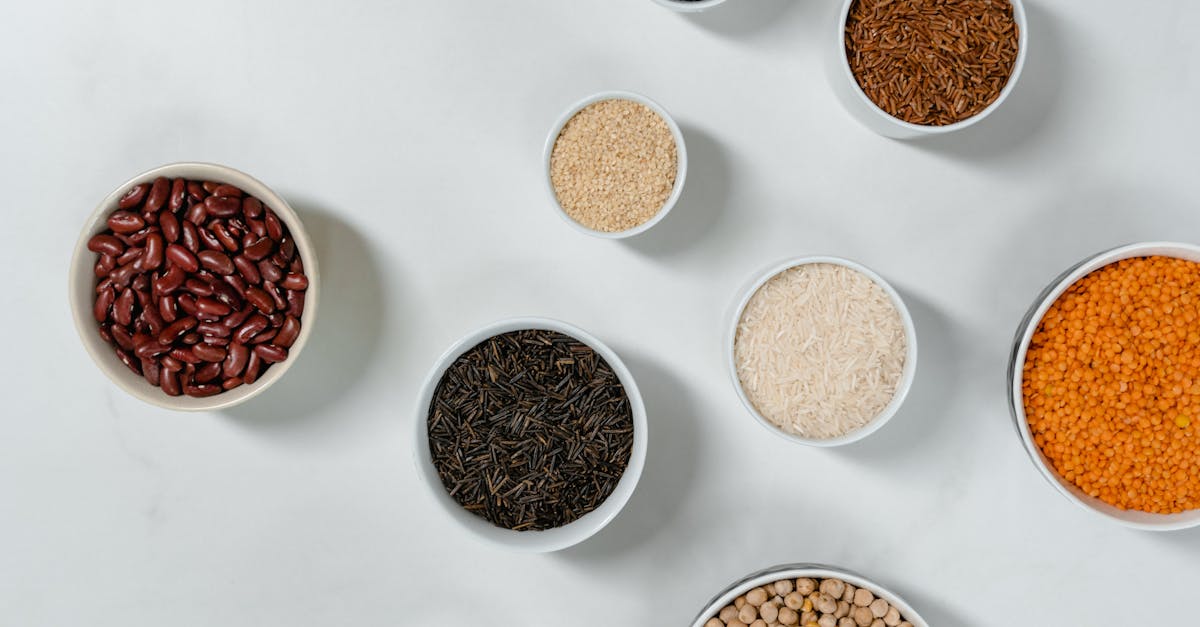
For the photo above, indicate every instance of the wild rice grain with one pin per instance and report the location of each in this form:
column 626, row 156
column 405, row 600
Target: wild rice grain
column 932, row 62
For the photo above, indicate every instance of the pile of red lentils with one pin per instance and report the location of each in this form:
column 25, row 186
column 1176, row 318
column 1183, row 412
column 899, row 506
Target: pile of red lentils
column 1112, row 384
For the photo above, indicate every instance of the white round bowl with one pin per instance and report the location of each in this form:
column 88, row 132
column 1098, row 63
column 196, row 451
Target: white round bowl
column 689, row 7
column 681, row 162
column 1016, row 404
column 796, row 571
column 82, row 283
column 531, row 541
column 870, row 115
column 906, row 377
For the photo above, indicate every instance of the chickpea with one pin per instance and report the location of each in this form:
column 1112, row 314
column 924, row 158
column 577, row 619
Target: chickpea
column 784, row 586
column 728, row 613
column 827, row 621
column 863, row 597
column 737, row 623
column 892, row 618
column 905, row 624
column 756, row 597
column 848, row 594
column 843, row 609
column 862, row 616
column 879, row 608
column 794, row 601
column 833, row 587
column 805, row 586
column 808, row 617
column 769, row 612
column 714, row 622
column 739, row 602
column 825, row 604
column 759, row 623
column 847, row 622
column 747, row 614
column 788, row 616
column 878, row 622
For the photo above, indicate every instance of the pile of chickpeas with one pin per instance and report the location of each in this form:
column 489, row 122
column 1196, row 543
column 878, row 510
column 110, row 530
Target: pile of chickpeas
column 808, row 602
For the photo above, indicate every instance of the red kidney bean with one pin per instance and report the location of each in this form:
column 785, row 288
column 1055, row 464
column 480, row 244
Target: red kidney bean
column 188, row 236
column 153, row 256
column 170, row 281
column 209, row 240
column 176, row 329
column 151, row 371
column 236, row 318
column 222, row 206
column 259, row 249
column 265, row 337
column 235, row 359
column 123, row 275
column 277, row 318
column 202, row 390
column 196, row 214
column 276, row 295
column 125, row 222
column 158, row 194
column 140, row 236
column 270, row 272
column 247, row 269
column 257, row 227
column 229, row 384
column 190, row 338
column 212, row 307
column 103, row 302
column 105, row 264
column 131, row 255
column 252, row 207
column 103, row 285
column 253, row 364
column 210, row 186
column 123, row 308
column 182, row 257
column 236, row 282
column 250, row 328
column 208, row 352
column 168, row 379
column 223, row 235
column 170, row 363
column 169, row 225
column 270, row 353
column 287, row 250
column 260, row 299
column 184, row 355
column 166, row 309
column 198, row 287
column 288, row 332
column 209, row 371
column 196, row 190
column 105, row 332
column 106, row 245
column 294, row 281
column 178, row 195
column 226, row 190
column 216, row 341
column 187, row 303
column 121, row 336
column 152, row 320
column 226, row 293
column 215, row 261
column 274, row 228
column 128, row 359
column 213, row 329
column 295, row 303
column 133, row 197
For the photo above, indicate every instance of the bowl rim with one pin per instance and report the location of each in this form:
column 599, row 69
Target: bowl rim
column 797, row 570
column 910, row 361
column 549, row 540
column 1144, row 521
column 927, row 130
column 80, row 271
column 695, row 6
column 681, row 162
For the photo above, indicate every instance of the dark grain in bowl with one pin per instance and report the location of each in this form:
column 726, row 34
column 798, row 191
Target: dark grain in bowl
column 200, row 287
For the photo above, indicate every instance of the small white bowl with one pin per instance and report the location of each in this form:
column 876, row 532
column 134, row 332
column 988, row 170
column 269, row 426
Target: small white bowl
column 870, row 115
column 82, row 283
column 906, row 377
column 796, row 571
column 550, row 539
column 681, row 162
column 1016, row 404
column 689, row 7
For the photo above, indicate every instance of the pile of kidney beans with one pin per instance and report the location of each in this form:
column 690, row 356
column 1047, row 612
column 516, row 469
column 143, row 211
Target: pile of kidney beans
column 200, row 286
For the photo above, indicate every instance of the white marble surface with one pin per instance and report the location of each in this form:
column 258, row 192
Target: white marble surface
column 408, row 134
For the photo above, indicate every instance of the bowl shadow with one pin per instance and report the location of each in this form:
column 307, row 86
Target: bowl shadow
column 743, row 18
column 923, row 415
column 702, row 205
column 1033, row 101
column 345, row 340
column 671, row 460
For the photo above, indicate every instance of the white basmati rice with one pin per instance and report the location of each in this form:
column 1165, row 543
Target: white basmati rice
column 820, row 350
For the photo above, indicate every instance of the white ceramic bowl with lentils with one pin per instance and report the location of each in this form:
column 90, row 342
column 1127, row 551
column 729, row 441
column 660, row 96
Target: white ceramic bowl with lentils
column 799, row 594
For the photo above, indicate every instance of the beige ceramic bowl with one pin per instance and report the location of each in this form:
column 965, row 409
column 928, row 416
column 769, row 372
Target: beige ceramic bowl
column 83, row 281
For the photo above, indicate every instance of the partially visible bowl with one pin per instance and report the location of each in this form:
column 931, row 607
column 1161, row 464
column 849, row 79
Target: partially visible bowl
column 680, row 168
column 82, row 283
column 689, row 6
column 548, row 540
column 1016, row 404
column 906, row 377
column 796, row 571
column 862, row 108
